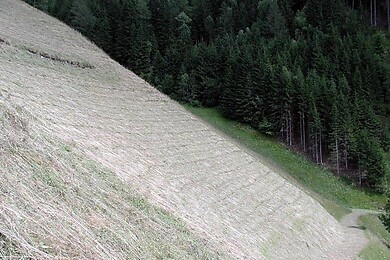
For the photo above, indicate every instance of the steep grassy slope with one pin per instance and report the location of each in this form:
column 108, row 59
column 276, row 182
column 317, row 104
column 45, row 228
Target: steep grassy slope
column 81, row 100
column 306, row 173
column 379, row 246
column 55, row 203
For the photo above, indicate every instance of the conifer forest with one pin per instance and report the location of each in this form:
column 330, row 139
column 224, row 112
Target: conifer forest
column 314, row 74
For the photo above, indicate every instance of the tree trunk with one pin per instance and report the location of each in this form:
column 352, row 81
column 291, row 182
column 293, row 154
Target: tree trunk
column 290, row 124
column 375, row 19
column 285, row 127
column 346, row 152
column 316, row 147
column 301, row 128
column 388, row 15
column 371, row 12
column 282, row 131
column 337, row 157
column 304, row 133
column 321, row 147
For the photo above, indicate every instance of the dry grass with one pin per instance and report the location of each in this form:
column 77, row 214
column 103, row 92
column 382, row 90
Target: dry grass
column 93, row 132
column 55, row 203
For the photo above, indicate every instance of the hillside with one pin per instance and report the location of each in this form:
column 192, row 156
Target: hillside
column 82, row 138
column 313, row 74
column 55, row 203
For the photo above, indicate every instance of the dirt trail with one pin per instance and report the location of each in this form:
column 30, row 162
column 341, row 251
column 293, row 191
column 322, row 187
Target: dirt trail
column 221, row 192
column 355, row 239
column 351, row 220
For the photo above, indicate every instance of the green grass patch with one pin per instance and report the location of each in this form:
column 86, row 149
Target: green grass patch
column 375, row 226
column 378, row 248
column 334, row 193
column 337, row 211
column 375, row 251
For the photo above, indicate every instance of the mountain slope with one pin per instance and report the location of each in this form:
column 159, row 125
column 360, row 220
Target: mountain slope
column 55, row 203
column 77, row 95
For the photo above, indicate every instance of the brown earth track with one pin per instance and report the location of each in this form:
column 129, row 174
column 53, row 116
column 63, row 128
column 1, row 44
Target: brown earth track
column 113, row 117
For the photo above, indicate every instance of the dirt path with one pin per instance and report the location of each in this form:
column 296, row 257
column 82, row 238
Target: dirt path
column 355, row 239
column 351, row 220
column 173, row 159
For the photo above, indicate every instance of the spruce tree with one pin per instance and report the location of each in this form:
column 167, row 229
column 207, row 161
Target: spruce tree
column 271, row 22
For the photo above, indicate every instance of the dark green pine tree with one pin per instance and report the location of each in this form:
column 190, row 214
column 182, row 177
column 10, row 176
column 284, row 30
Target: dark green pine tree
column 101, row 32
column 208, row 87
column 226, row 23
column 271, row 121
column 82, row 18
column 323, row 14
column 187, row 91
column 370, row 164
column 142, row 44
column 386, row 217
column 286, row 94
column 285, row 7
column 61, row 9
column 159, row 67
column 302, row 95
column 315, row 13
column 201, row 10
column 244, row 93
column 123, row 27
column 348, row 141
column 271, row 22
column 45, row 5
column 335, row 136
column 162, row 23
column 314, row 120
column 228, row 99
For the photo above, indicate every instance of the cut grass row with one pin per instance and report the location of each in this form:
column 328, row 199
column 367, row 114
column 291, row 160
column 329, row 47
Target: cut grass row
column 56, row 203
column 334, row 193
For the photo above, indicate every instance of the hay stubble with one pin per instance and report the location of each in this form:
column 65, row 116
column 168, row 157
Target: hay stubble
column 115, row 119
